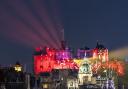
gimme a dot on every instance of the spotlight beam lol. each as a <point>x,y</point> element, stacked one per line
<point>31,22</point>
<point>37,16</point>
<point>56,17</point>
<point>48,21</point>
<point>21,31</point>
<point>44,36</point>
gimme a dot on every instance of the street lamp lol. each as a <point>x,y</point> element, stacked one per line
<point>99,77</point>
<point>105,71</point>
<point>18,67</point>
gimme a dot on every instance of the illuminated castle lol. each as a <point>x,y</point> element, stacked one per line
<point>47,59</point>
<point>99,52</point>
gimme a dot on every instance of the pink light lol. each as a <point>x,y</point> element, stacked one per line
<point>38,49</point>
<point>26,28</point>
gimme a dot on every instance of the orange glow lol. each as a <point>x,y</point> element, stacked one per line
<point>115,65</point>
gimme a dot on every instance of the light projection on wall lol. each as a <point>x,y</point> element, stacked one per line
<point>47,59</point>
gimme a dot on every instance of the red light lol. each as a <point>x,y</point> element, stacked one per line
<point>38,49</point>
<point>45,63</point>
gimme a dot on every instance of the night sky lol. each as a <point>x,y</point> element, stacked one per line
<point>26,24</point>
